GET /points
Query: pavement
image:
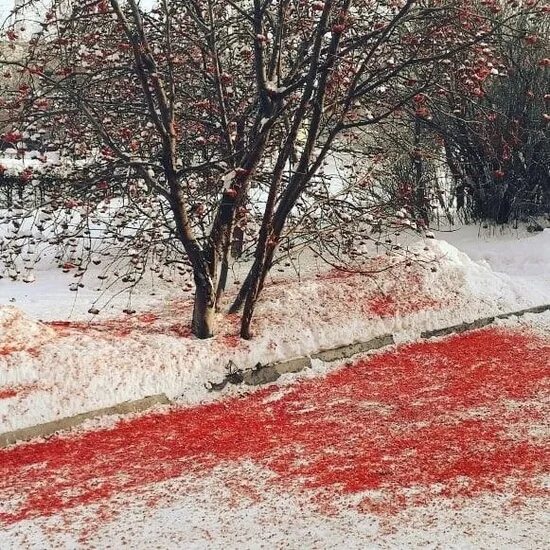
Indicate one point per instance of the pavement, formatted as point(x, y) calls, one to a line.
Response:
point(435, 444)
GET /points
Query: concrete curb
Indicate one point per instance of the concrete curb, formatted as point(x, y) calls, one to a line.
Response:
point(480, 323)
point(262, 374)
point(265, 374)
point(49, 428)
point(345, 352)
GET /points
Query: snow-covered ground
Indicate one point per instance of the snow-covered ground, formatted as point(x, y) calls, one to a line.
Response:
point(65, 367)
point(519, 258)
point(207, 516)
point(439, 444)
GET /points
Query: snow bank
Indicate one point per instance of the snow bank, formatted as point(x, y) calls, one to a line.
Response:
point(20, 332)
point(89, 366)
point(521, 260)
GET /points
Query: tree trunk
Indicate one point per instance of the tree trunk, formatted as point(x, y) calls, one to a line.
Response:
point(222, 283)
point(256, 281)
point(248, 312)
point(250, 303)
point(204, 311)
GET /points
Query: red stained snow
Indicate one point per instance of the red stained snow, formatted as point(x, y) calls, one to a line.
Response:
point(391, 305)
point(147, 323)
point(7, 392)
point(144, 324)
point(399, 292)
point(451, 412)
point(339, 294)
point(402, 298)
point(231, 340)
point(13, 348)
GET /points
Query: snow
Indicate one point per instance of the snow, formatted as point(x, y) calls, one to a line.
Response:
point(199, 514)
point(35, 160)
point(19, 332)
point(520, 259)
point(50, 370)
point(81, 367)
point(49, 298)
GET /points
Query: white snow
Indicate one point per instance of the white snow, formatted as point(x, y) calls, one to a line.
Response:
point(520, 259)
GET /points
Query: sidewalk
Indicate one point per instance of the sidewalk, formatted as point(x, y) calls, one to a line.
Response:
point(442, 442)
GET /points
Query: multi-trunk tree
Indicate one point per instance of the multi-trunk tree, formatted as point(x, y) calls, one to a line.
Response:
point(217, 122)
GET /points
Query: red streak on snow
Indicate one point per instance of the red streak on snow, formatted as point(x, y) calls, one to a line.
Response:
point(136, 325)
point(113, 328)
point(178, 329)
point(147, 323)
point(20, 390)
point(231, 340)
point(404, 298)
point(428, 413)
point(391, 305)
point(147, 318)
point(9, 349)
point(7, 392)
